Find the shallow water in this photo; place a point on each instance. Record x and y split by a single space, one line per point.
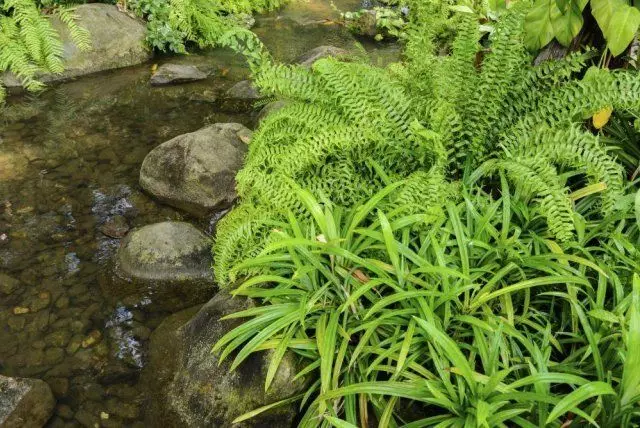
69 163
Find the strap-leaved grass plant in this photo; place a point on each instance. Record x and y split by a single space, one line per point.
444 242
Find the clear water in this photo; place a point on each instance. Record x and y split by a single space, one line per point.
69 163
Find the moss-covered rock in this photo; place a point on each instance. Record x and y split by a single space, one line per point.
165 265
192 389
24 403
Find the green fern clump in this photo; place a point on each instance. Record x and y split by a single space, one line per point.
174 23
471 116
29 45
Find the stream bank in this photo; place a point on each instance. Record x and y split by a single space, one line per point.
69 193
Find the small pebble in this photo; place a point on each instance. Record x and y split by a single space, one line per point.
19 310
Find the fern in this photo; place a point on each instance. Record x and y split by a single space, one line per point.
350 128
172 24
29 45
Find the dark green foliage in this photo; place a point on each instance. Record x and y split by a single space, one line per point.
434 120
29 45
173 23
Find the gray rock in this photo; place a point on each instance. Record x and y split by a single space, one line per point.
270 108
165 251
364 23
244 90
165 264
24 403
310 58
117 39
196 172
176 73
191 389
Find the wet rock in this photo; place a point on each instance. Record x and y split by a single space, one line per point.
62 302
164 266
16 323
24 403
122 409
53 356
74 344
8 284
244 90
64 411
196 172
270 108
40 302
310 58
364 23
86 419
58 338
92 338
168 74
59 386
191 389
116 227
115 373
20 310
117 40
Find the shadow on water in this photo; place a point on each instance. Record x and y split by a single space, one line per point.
69 165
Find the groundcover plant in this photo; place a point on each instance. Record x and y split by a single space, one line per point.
443 242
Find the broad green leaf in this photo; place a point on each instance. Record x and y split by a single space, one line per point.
566 24
622 29
538 26
603 10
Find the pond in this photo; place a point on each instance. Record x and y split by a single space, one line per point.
69 168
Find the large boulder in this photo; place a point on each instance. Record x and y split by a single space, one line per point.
25 403
315 54
117 40
196 172
167 265
189 386
168 74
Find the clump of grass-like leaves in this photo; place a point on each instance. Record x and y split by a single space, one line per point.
477 319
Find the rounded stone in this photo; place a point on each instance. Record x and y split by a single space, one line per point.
188 386
168 74
196 172
166 251
166 266
24 403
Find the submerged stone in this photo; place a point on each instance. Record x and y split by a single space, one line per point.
24 403
116 227
244 90
168 74
310 58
